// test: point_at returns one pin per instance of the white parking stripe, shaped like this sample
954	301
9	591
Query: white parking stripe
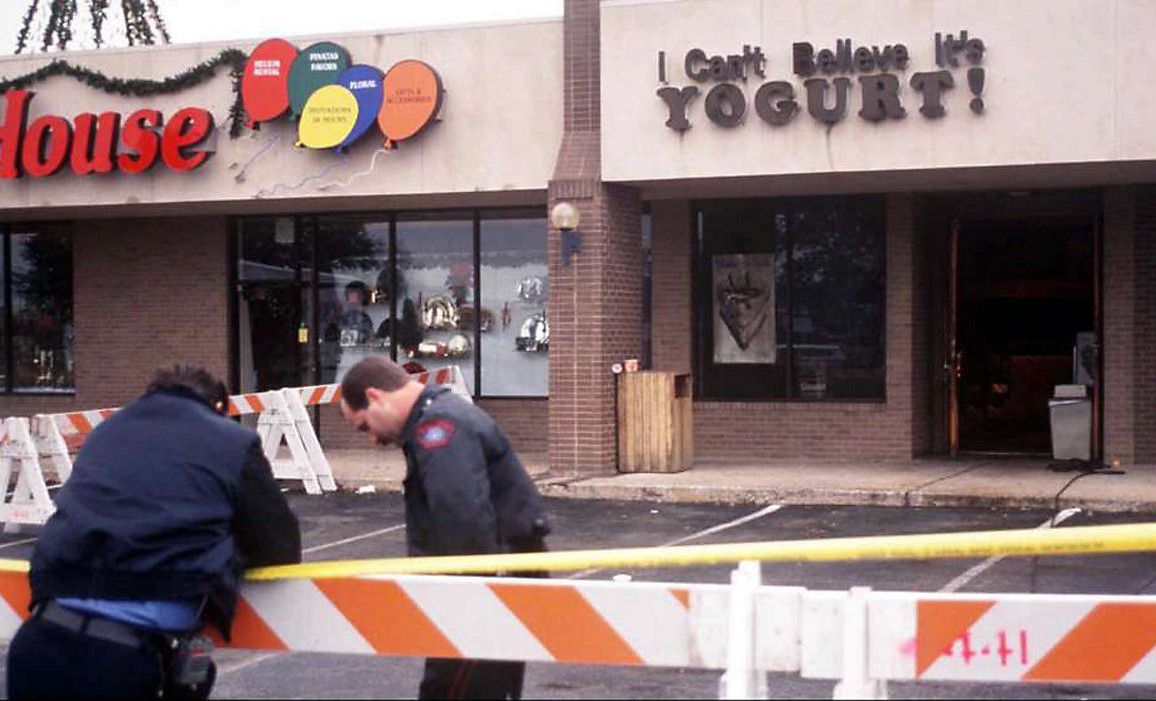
17	542
765	511
354	539
963	579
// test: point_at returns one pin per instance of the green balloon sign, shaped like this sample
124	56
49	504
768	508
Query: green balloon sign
316	66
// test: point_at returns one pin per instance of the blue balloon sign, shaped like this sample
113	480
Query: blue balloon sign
365	84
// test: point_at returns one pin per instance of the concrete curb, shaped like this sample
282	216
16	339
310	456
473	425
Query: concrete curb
843	497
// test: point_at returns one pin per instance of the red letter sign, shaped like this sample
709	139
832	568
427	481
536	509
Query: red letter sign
188	127
139	136
95	153
16	114
46	145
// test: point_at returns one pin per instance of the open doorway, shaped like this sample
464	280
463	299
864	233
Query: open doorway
1018	303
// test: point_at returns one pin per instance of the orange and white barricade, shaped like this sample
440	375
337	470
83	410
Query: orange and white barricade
283	420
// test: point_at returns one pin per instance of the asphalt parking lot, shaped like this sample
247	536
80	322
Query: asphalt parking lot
349	526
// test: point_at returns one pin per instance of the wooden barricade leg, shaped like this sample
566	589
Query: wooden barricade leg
308	437
29	502
276	425
50	445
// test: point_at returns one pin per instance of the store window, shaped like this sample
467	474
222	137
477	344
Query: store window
317	294
515	332
37	324
790	299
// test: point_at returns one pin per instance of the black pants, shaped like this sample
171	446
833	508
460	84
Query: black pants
48	661
471	679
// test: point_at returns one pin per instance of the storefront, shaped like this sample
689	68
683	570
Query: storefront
867	233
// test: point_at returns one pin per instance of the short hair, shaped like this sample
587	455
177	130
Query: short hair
374	371
191	379
360	288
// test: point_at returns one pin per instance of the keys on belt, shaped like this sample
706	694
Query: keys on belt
95	626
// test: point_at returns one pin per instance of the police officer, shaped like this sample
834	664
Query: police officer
466	493
168	501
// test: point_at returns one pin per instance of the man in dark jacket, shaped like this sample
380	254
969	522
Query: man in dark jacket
168	502
466	493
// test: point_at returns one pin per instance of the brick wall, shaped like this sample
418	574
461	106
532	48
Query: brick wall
146	292
1144	321
896	429
1119	310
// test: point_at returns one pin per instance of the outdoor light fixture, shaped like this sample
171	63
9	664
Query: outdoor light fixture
565	218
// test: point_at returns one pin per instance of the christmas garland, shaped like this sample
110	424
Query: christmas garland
141	87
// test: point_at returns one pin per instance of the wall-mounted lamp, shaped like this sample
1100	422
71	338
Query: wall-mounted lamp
565	218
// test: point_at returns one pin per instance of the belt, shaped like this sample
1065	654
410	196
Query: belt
97	627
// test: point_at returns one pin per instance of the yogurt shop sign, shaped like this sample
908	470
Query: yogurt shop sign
734	84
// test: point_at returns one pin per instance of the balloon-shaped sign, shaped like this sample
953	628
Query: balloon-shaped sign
413	95
328	117
265	82
365	84
315	66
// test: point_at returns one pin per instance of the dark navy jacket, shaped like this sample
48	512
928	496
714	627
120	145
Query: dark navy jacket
168	499
466	492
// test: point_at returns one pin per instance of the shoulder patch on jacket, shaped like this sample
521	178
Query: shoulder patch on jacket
435	433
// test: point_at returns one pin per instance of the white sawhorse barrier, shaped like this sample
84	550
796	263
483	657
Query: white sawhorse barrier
283	423
860	638
28	502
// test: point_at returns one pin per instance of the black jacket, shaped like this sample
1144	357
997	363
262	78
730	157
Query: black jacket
466	492
168	499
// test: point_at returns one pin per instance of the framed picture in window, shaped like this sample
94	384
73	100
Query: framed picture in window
743	306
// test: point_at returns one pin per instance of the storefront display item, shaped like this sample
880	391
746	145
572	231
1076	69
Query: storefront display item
440	313
531	290
744	304
534	336
466	318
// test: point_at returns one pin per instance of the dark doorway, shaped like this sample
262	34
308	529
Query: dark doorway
1025	291
1013	282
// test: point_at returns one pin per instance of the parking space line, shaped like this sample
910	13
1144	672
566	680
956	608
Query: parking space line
247	662
963	579
765	511
17	542
353	539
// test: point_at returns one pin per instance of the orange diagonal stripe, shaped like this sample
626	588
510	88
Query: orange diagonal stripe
336	396
566	624
251	631
938	624
254	402
315	397
82	424
683	597
1103	647
387	618
16	591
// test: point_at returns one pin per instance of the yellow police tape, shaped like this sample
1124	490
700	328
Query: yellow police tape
1082	540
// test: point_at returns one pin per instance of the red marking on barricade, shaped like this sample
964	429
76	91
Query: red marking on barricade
683	597
254	401
580	636
81	422
387	618
1102	647
939	624
16	591
251	631
316	396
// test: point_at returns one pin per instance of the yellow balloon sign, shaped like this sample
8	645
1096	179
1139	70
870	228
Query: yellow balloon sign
329	116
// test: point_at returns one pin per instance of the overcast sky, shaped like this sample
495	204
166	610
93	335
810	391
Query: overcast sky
191	21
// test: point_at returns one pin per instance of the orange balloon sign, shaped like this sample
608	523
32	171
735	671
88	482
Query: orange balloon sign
413	95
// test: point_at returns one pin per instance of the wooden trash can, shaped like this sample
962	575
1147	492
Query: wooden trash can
655	422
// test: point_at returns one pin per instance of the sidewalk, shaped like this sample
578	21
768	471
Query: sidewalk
972	482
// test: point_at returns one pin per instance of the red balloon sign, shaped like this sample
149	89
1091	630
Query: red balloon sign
265	83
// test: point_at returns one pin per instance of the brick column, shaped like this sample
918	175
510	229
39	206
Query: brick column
595	302
1119	344
1144	325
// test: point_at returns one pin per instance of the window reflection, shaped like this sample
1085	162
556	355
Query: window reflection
515	330
42	326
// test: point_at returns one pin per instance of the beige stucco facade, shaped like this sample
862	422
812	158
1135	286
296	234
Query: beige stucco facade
1064	85
497	136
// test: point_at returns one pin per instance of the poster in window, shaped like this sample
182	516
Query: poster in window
744	308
